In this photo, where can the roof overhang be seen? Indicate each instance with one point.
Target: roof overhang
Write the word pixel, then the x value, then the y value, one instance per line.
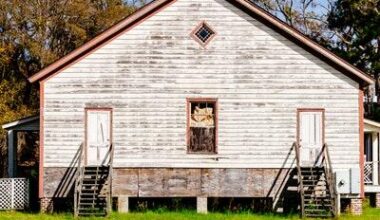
pixel 101 39
pixel 250 8
pixel 308 44
pixel 25 124
pixel 371 126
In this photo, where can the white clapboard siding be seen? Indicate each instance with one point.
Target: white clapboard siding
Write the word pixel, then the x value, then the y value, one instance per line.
pixel 259 77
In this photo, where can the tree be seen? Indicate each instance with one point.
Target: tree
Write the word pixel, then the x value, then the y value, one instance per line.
pixel 356 24
pixel 35 33
pixel 307 16
pixel 349 28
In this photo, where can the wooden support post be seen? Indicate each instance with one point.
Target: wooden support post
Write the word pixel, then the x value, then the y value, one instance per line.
pixel 338 204
pixel 46 205
pixel 123 204
pixel 375 158
pixel 377 200
pixel 11 154
pixel 356 206
pixel 202 205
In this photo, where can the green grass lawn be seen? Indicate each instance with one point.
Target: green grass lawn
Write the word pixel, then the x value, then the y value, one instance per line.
pixel 369 214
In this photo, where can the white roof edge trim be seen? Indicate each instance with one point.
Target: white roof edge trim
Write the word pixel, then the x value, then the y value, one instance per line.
pixel 20 122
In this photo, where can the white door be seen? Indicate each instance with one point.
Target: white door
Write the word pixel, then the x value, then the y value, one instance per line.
pixel 310 137
pixel 98 136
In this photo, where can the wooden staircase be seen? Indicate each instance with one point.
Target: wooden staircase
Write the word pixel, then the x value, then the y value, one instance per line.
pixel 92 190
pixel 317 187
pixel 318 201
pixel 93 196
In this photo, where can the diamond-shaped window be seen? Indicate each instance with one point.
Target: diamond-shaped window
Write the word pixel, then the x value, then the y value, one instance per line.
pixel 203 33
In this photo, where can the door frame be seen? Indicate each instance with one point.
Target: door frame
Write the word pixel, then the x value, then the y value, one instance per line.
pixel 301 110
pixel 89 109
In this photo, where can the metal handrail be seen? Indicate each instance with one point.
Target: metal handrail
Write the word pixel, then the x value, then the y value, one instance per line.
pixel 297 150
pixel 330 178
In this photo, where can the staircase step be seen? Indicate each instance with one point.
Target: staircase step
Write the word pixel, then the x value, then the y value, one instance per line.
pixel 328 215
pixel 91 181
pixel 88 177
pixel 105 170
pixel 316 188
pixel 91 188
pixel 86 200
pixel 312 179
pixel 91 184
pixel 99 214
pixel 292 188
pixel 91 176
pixel 313 170
pixel 312 173
pixel 93 191
pixel 96 207
pixel 312 185
pixel 94 202
pixel 318 205
pixel 91 210
pixel 94 172
pixel 317 210
pixel 317 197
pixel 91 204
pixel 89 194
pixel 318 194
pixel 93 199
pixel 97 169
pixel 315 203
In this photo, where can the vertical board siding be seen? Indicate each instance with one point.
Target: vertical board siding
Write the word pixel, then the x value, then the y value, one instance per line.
pixel 259 77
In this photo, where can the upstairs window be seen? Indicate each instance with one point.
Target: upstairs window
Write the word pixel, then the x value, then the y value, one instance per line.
pixel 203 34
pixel 202 125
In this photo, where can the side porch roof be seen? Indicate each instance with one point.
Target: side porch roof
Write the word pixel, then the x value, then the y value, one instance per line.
pixel 371 126
pixel 31 123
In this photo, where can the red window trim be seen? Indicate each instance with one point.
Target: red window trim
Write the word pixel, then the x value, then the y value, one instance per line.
pixel 188 114
pixel 89 109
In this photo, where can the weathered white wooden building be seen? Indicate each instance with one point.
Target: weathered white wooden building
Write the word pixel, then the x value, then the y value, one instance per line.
pixel 202 98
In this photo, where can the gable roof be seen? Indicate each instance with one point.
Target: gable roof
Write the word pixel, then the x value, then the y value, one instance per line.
pixel 250 8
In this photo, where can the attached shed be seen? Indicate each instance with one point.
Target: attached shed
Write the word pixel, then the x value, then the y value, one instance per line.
pixel 371 157
pixel 28 124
